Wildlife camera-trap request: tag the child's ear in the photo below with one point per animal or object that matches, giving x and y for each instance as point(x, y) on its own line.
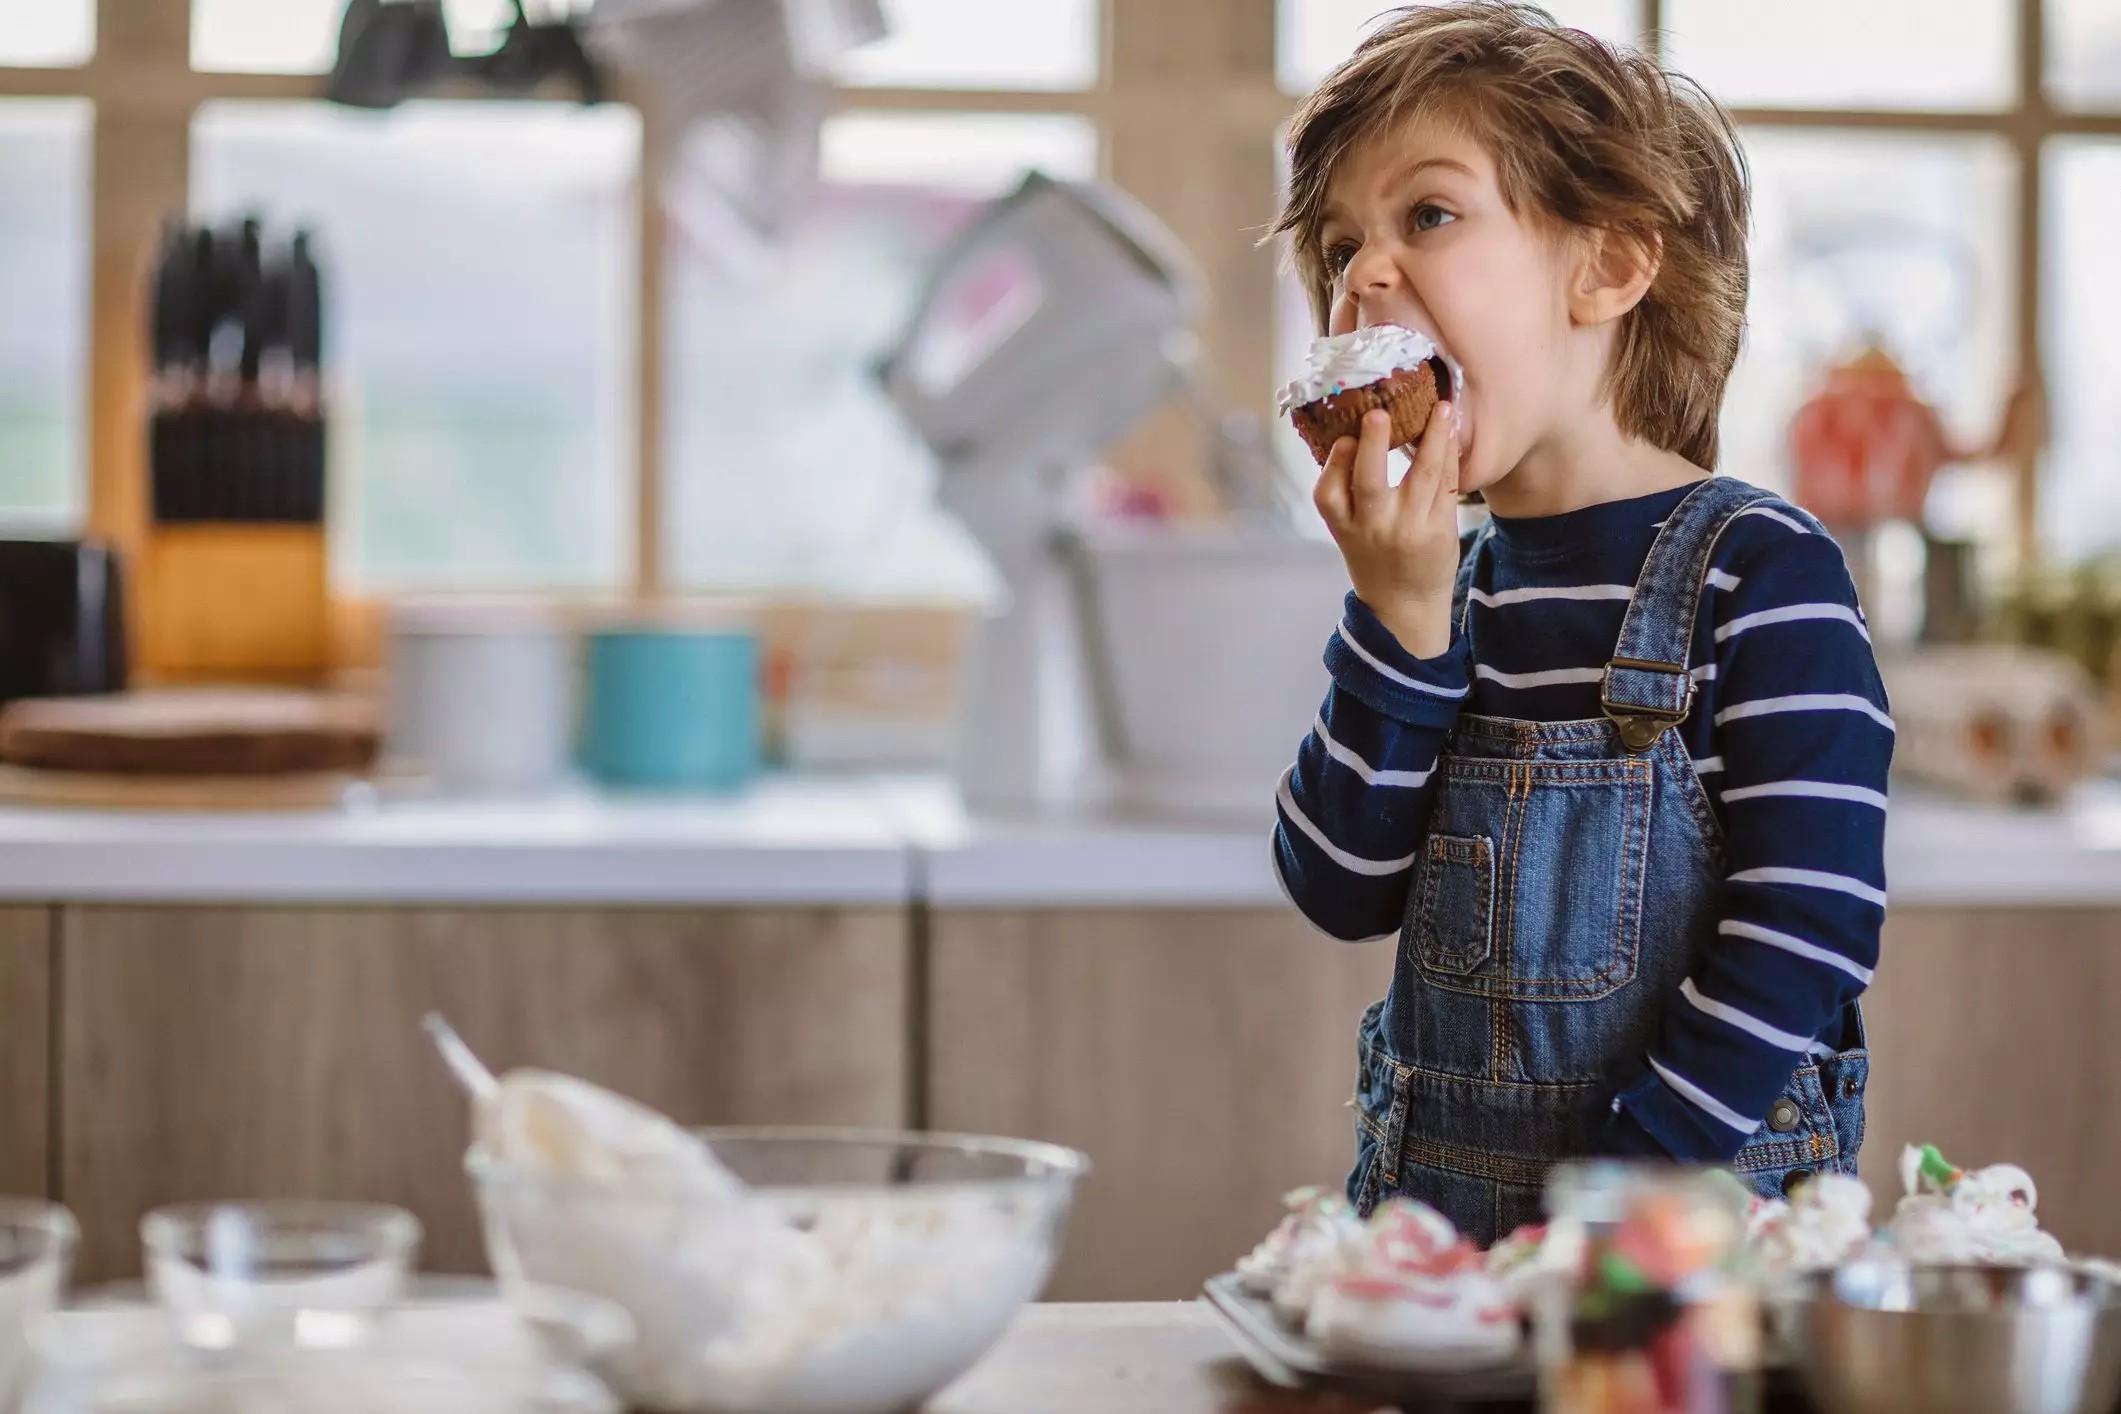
point(1613, 271)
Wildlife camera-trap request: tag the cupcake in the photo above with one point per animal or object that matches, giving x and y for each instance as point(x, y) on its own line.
point(1384, 366)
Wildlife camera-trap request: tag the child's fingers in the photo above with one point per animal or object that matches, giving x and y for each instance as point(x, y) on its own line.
point(1331, 493)
point(1435, 461)
point(1370, 484)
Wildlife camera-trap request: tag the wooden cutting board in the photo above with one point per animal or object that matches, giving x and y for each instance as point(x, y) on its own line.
point(193, 734)
point(91, 790)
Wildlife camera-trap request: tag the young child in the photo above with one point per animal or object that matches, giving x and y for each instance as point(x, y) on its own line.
point(1612, 768)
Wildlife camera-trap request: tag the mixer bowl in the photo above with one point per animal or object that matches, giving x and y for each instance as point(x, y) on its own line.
point(859, 1273)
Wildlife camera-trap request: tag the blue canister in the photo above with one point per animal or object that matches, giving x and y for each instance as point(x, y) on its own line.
point(672, 705)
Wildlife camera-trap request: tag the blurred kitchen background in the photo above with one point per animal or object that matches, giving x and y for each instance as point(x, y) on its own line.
point(780, 460)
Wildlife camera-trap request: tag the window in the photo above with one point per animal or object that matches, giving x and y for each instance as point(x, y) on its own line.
point(2084, 53)
point(47, 33)
point(44, 254)
point(1828, 54)
point(1048, 45)
point(302, 36)
point(481, 296)
point(785, 465)
point(484, 260)
point(1315, 35)
point(2080, 506)
point(1901, 238)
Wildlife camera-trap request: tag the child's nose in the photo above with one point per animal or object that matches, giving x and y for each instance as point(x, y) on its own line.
point(1372, 272)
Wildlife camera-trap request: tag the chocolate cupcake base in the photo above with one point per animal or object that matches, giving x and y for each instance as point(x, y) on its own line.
point(1410, 395)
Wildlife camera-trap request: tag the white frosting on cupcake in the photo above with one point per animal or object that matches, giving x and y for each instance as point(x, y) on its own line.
point(1346, 361)
point(1827, 1223)
point(1982, 1215)
point(1412, 1322)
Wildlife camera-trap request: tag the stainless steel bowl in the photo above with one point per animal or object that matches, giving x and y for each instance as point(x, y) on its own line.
point(1883, 1337)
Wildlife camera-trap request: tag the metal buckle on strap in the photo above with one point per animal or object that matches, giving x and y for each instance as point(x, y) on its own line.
point(1639, 727)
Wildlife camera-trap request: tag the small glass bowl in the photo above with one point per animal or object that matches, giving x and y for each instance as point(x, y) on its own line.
point(36, 1254)
point(312, 1274)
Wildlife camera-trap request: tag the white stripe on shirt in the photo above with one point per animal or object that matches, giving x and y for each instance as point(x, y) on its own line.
point(1719, 580)
point(1772, 514)
point(1552, 677)
point(1816, 790)
point(1739, 928)
point(1282, 880)
point(1370, 774)
point(1810, 879)
point(1705, 673)
point(1708, 765)
point(1353, 863)
point(1552, 591)
point(1346, 635)
point(1744, 1021)
point(1793, 613)
point(1702, 1099)
point(1805, 702)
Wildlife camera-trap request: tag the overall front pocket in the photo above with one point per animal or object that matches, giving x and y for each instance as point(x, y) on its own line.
point(1530, 887)
point(1456, 909)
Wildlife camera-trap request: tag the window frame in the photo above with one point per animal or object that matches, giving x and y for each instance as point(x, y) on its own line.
point(1189, 128)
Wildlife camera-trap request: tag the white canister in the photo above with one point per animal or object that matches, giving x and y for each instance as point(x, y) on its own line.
point(482, 693)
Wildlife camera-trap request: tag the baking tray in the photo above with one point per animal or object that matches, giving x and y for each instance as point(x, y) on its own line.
point(1283, 1358)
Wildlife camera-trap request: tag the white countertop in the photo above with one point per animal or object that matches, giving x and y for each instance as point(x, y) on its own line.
point(859, 840)
point(790, 841)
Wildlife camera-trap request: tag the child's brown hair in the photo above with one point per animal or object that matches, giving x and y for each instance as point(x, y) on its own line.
point(1583, 134)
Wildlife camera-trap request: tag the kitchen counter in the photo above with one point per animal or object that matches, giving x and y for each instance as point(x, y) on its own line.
point(861, 840)
point(1151, 1358)
point(791, 841)
point(1123, 1358)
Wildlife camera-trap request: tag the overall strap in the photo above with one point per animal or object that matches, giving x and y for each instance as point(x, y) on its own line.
point(1648, 685)
point(1470, 545)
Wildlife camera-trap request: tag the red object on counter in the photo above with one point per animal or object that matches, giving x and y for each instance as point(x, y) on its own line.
point(1865, 446)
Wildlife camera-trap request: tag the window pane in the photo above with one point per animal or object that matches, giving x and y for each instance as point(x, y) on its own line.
point(1315, 35)
point(1904, 239)
point(44, 247)
point(1831, 54)
point(786, 467)
point(302, 36)
point(47, 33)
point(2084, 53)
point(1035, 44)
point(481, 321)
point(2080, 486)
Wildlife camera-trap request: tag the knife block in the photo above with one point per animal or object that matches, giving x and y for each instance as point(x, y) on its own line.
point(234, 572)
point(235, 602)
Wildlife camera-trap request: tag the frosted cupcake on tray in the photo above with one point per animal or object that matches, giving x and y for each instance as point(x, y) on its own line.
point(1347, 375)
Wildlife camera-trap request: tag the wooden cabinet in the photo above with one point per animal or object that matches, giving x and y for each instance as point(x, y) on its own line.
point(213, 1052)
point(1203, 1059)
point(26, 950)
point(1993, 1036)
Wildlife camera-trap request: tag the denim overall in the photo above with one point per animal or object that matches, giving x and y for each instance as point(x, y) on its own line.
point(1571, 872)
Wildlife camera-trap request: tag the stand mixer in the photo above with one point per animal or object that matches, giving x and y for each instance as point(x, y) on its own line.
point(1059, 318)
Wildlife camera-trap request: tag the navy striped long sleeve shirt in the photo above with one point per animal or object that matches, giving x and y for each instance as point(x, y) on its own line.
point(1789, 734)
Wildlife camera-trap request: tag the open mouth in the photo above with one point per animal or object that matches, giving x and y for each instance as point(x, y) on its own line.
point(1446, 381)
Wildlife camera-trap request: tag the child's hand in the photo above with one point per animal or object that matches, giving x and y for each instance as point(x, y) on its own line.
point(1400, 542)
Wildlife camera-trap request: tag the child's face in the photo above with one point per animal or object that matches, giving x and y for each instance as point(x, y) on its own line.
point(1417, 234)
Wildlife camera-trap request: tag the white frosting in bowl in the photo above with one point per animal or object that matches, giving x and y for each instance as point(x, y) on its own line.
point(1346, 361)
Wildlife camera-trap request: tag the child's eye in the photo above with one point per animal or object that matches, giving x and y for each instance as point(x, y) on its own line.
point(1428, 218)
point(1339, 255)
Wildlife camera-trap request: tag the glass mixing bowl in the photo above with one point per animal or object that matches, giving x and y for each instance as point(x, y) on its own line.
point(859, 1273)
